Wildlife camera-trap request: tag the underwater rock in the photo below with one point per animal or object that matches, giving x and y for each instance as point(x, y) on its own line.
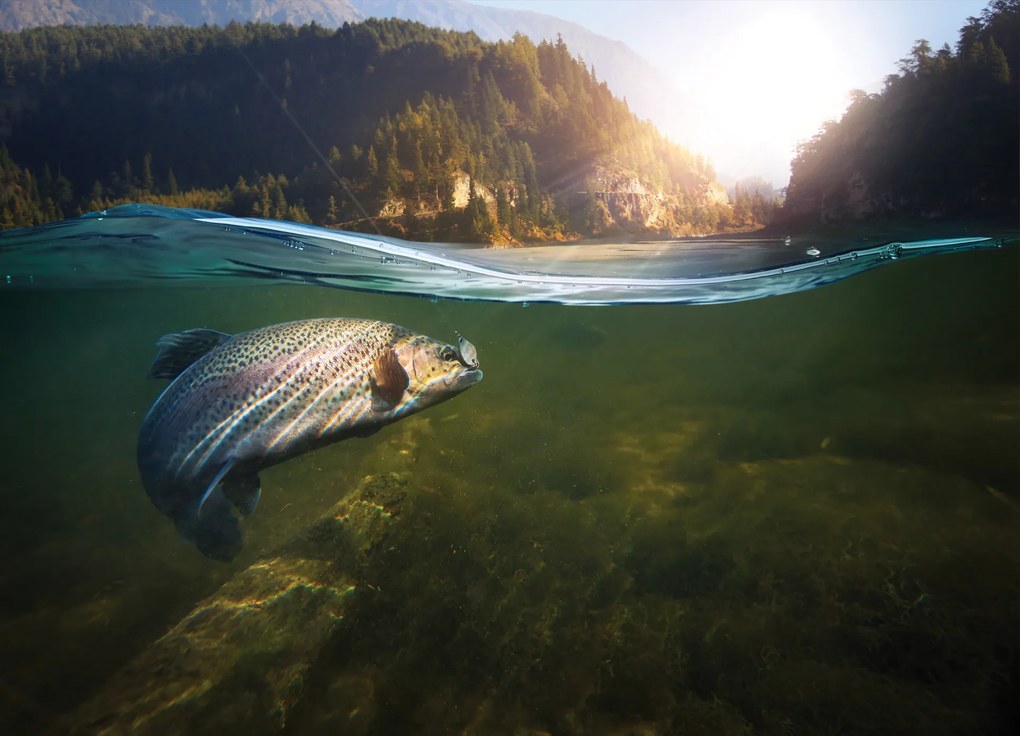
point(240, 661)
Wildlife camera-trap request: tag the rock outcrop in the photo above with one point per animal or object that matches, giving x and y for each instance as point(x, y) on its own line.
point(607, 199)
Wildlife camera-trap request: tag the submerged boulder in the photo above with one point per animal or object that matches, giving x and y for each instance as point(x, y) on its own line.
point(240, 661)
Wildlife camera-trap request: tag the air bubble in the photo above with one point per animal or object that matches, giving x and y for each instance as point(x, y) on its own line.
point(813, 252)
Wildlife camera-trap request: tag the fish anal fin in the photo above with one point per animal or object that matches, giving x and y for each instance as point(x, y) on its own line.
point(209, 521)
point(214, 531)
point(179, 350)
point(243, 491)
point(389, 379)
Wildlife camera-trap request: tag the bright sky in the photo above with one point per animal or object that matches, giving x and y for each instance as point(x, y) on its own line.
point(754, 77)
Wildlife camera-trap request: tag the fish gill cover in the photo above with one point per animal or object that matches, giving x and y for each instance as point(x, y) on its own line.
point(133, 245)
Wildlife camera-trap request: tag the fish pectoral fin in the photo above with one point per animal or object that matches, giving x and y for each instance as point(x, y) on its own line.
point(212, 486)
point(244, 491)
point(179, 350)
point(389, 380)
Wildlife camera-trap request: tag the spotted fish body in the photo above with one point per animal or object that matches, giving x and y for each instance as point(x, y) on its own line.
point(241, 403)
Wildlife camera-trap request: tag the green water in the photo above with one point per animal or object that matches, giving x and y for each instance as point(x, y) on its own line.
point(791, 515)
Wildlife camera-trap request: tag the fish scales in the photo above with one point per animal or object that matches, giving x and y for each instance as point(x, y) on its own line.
point(264, 370)
point(263, 396)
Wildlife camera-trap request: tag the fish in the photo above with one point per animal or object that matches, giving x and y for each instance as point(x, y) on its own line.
point(240, 403)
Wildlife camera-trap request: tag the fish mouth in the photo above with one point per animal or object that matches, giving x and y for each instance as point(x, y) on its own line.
point(466, 377)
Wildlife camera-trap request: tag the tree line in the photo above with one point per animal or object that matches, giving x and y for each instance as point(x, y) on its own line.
point(942, 138)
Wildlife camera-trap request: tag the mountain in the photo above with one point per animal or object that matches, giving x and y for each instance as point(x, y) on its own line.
point(383, 124)
point(16, 15)
point(648, 92)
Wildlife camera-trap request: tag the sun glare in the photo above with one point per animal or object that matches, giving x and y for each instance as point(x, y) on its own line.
point(773, 79)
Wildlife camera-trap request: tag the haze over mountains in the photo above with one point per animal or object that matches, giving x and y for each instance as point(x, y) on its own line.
point(647, 91)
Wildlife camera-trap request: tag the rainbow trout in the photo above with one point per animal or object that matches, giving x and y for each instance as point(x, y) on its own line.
point(239, 403)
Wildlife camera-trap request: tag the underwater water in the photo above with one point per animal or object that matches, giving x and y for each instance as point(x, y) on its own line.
point(791, 514)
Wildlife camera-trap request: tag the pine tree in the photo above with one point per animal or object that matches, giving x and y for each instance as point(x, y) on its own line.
point(127, 179)
point(148, 181)
point(372, 166)
point(502, 207)
point(392, 176)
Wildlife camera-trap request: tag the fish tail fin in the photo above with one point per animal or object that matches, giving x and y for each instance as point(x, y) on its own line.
point(213, 529)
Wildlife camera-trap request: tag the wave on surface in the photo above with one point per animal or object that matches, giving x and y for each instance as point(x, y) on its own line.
point(137, 245)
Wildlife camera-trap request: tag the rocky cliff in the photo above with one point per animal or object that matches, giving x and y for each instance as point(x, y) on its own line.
point(608, 199)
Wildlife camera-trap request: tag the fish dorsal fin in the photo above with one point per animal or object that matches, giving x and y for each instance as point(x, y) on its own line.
point(389, 379)
point(178, 350)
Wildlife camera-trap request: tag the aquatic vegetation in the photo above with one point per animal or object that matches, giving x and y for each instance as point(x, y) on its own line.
point(748, 605)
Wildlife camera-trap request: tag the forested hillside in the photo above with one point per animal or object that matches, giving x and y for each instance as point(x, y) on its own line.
point(628, 74)
point(941, 139)
point(382, 125)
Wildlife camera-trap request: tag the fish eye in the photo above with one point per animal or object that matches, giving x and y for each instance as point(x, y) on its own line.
point(447, 353)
